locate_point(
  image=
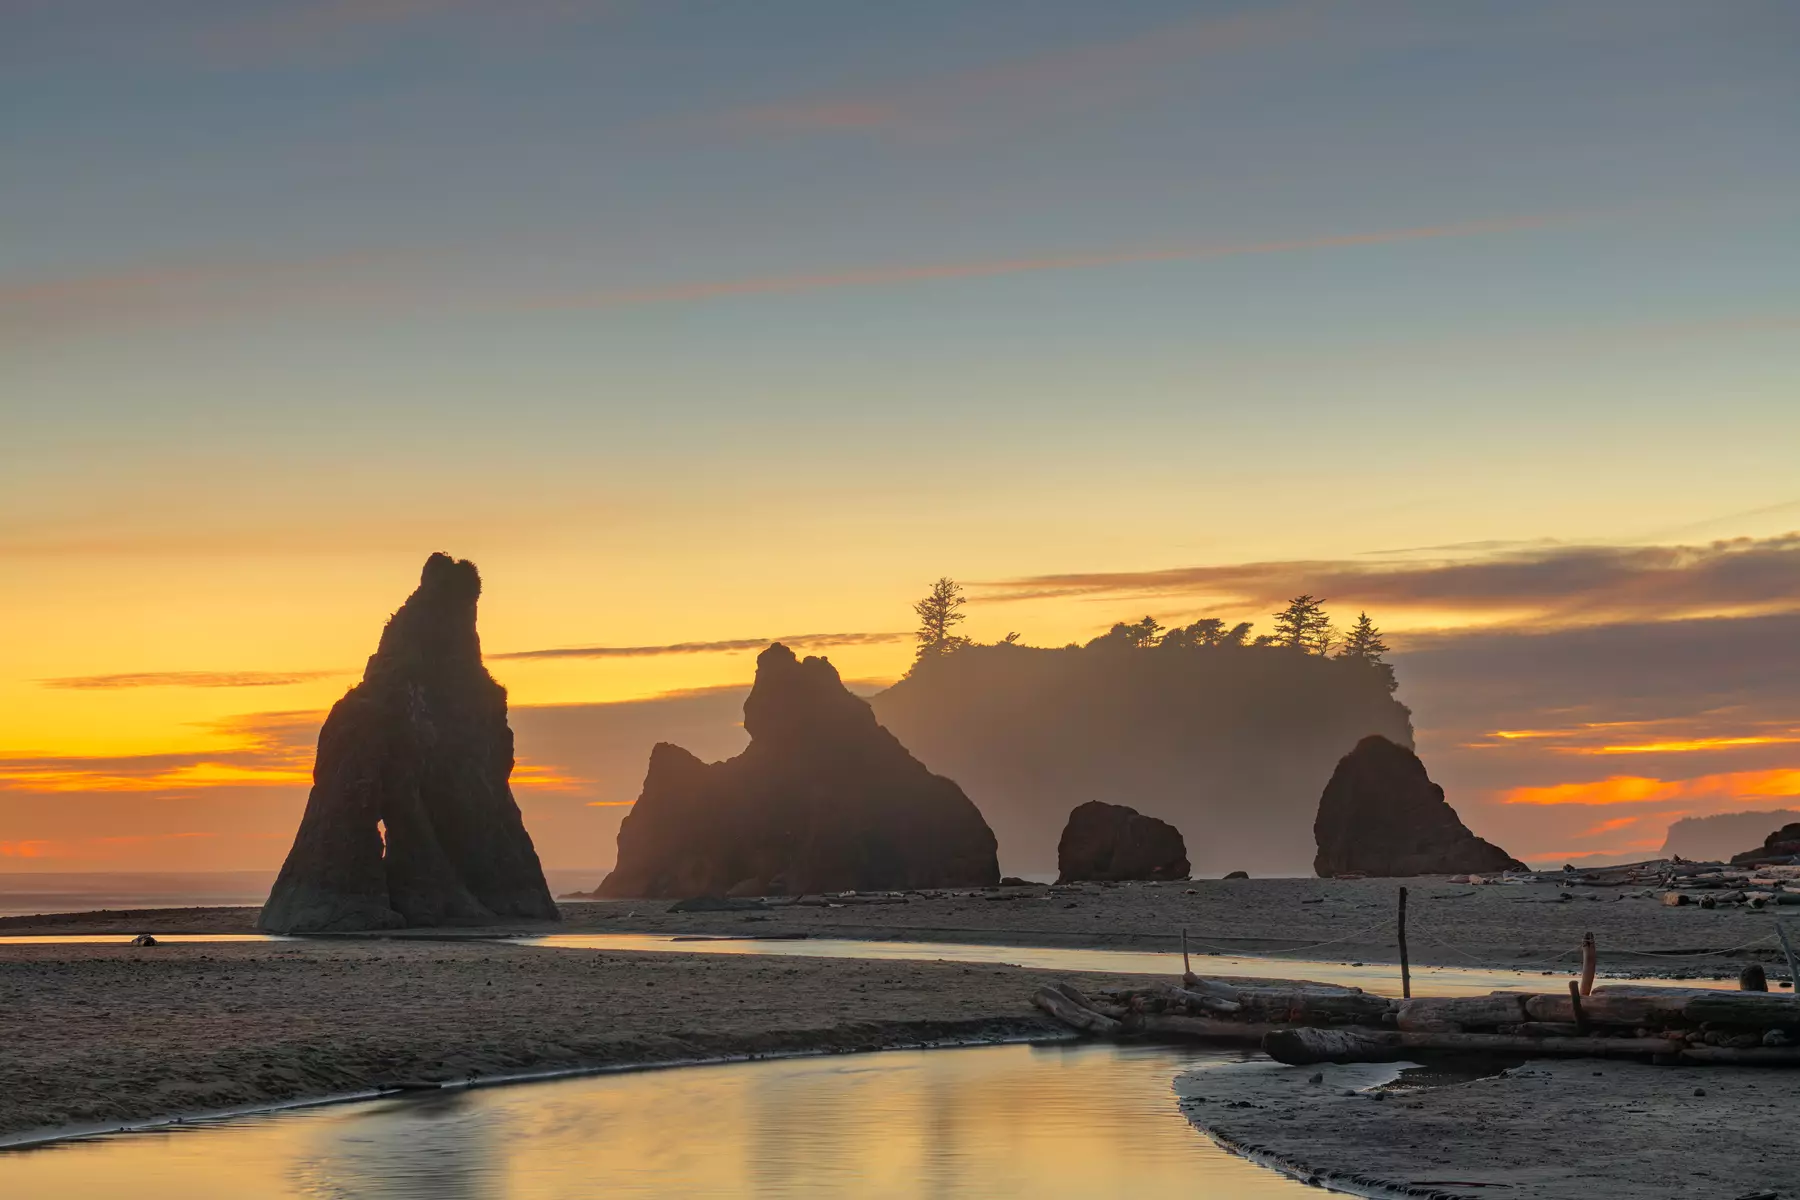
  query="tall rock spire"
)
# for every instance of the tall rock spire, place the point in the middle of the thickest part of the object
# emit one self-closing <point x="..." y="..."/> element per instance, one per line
<point x="411" y="821"/>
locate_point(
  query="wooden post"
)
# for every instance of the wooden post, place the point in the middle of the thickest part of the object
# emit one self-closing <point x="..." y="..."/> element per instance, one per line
<point x="1581" y="1021"/>
<point x="1590" y="957"/>
<point x="1405" y="967"/>
<point x="1787" y="948"/>
<point x="1187" y="969"/>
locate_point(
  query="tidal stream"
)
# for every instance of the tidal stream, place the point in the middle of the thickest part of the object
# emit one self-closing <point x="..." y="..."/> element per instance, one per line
<point x="1084" y="1120"/>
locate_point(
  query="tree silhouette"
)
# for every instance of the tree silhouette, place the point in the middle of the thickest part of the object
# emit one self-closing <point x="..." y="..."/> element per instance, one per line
<point x="1205" y="634"/>
<point x="939" y="613"/>
<point x="1363" y="645"/>
<point x="1303" y="625"/>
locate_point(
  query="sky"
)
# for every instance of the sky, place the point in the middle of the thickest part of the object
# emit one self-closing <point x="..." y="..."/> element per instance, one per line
<point x="703" y="323"/>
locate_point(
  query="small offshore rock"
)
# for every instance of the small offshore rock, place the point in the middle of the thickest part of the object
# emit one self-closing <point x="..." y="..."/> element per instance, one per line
<point x="144" y="939"/>
<point x="1238" y="875"/>
<point x="1106" y="843"/>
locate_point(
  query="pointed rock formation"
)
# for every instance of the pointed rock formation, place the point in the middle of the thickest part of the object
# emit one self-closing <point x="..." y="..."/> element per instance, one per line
<point x="1382" y="815"/>
<point x="822" y="800"/>
<point x="410" y="821"/>
<point x="1781" y="846"/>
<point x="1113" y="842"/>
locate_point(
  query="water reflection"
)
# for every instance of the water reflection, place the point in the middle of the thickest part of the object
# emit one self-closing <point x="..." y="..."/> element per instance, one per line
<point x="1382" y="978"/>
<point x="1078" y="1120"/>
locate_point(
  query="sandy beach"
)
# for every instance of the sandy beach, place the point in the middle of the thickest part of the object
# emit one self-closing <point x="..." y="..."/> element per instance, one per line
<point x="120" y="1034"/>
<point x="1534" y="925"/>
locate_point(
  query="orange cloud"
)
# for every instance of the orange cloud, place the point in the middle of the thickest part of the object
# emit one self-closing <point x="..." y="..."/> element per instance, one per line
<point x="1681" y="746"/>
<point x="542" y="777"/>
<point x="1607" y="826"/>
<point x="36" y="777"/>
<point x="1639" y="789"/>
<point x="30" y="849"/>
<point x="192" y="679"/>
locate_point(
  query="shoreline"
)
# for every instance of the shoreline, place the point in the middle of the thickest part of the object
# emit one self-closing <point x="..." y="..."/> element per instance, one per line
<point x="30" y="1139"/>
<point x="1499" y="927"/>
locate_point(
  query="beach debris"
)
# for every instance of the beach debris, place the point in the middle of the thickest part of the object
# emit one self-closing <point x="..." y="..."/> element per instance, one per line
<point x="1303" y="1023"/>
<point x="1381" y="815"/>
<point x="823" y="800"/>
<point x="411" y="821"/>
<point x="1105" y="843"/>
<point x="145" y="939"/>
<point x="1753" y="979"/>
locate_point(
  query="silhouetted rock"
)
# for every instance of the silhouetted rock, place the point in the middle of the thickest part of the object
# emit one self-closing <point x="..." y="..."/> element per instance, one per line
<point x="822" y="800"/>
<point x="410" y="821"/>
<point x="1112" y="842"/>
<point x="1382" y="815"/>
<point x="1190" y="735"/>
<point x="1237" y="875"/>
<point x="1784" y="843"/>
<point x="1717" y="837"/>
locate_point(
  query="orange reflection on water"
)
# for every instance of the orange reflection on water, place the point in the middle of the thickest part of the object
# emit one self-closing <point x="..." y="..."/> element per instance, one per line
<point x="992" y="1122"/>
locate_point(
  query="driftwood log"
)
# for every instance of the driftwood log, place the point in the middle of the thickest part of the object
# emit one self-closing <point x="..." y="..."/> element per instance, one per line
<point x="1304" y="1023"/>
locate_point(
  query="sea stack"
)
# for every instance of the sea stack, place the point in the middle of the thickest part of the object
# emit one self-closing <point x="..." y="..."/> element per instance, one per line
<point x="1779" y="847"/>
<point x="1110" y="842"/>
<point x="822" y="800"/>
<point x="1382" y="815"/>
<point x="411" y="821"/>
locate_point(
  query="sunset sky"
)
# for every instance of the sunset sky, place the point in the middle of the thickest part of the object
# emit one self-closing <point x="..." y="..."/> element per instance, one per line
<point x="709" y="323"/>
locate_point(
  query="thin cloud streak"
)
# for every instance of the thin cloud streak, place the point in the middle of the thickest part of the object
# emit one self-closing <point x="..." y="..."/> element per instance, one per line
<point x="733" y="645"/>
<point x="1548" y="587"/>
<point x="1038" y="85"/>
<point x="371" y="283"/>
<point x="187" y="679"/>
<point x="938" y="272"/>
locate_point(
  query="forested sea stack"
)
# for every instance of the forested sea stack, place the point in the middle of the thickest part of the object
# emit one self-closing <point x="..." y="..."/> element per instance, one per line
<point x="823" y="799"/>
<point x="411" y="821"/>
<point x="1382" y="815"/>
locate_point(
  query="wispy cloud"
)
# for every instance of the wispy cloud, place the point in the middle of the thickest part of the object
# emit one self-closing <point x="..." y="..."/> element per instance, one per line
<point x="367" y="284"/>
<point x="884" y="276"/>
<point x="1548" y="586"/>
<point x="811" y="641"/>
<point x="1040" y="86"/>
<point x="187" y="679"/>
<point x="307" y="31"/>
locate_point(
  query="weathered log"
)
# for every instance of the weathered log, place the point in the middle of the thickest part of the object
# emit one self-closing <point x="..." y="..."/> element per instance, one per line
<point x="1762" y="1056"/>
<point x="1211" y="987"/>
<point x="1312" y="1005"/>
<point x="1756" y="1010"/>
<point x="1305" y="1046"/>
<point x="1072" y="1014"/>
<point x="1204" y="1028"/>
<point x="1462" y="1012"/>
<point x="1606" y="1008"/>
<point x="1205" y="1002"/>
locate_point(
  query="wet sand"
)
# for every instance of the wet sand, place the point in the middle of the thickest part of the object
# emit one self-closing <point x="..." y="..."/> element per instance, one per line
<point x="1448" y="924"/>
<point x="1542" y="1131"/>
<point x="108" y="1035"/>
